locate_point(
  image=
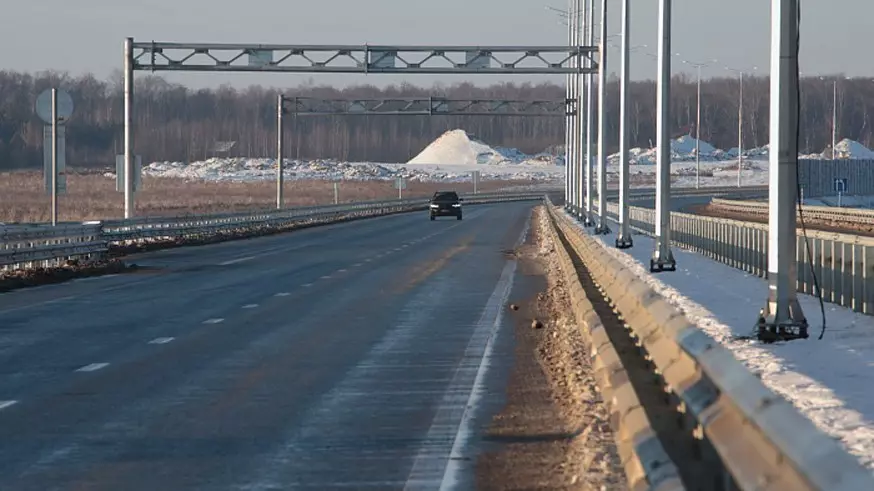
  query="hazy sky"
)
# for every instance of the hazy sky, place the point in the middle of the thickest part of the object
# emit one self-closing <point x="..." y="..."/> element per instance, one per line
<point x="87" y="35"/>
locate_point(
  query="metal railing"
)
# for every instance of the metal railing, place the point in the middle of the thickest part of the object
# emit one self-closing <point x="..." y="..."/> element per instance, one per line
<point x="760" y="441"/>
<point x="40" y="245"/>
<point x="830" y="213"/>
<point x="842" y="263"/>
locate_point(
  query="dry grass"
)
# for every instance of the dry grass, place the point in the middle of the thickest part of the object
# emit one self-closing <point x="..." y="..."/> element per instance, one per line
<point x="91" y="196"/>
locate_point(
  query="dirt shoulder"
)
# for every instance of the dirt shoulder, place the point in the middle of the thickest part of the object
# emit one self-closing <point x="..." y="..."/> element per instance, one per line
<point x="554" y="432"/>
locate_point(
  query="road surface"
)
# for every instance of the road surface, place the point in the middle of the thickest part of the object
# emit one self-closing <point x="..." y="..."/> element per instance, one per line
<point x="337" y="357"/>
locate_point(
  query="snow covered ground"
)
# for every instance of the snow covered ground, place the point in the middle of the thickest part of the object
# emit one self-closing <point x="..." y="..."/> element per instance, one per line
<point x="829" y="381"/>
<point x="455" y="154"/>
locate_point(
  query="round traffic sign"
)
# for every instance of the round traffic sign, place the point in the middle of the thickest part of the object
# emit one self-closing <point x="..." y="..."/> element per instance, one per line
<point x="44" y="106"/>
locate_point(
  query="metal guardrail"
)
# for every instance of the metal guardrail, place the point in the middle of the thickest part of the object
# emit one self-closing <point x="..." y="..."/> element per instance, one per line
<point x="39" y="245"/>
<point x="843" y="263"/>
<point x="761" y="440"/>
<point x="829" y="213"/>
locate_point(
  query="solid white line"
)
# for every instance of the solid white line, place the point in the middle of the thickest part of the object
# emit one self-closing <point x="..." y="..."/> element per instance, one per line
<point x="92" y="367"/>
<point x="251" y="306"/>
<point x="282" y="294"/>
<point x="5" y="404"/>
<point x="213" y="321"/>
<point x="239" y="260"/>
<point x="161" y="340"/>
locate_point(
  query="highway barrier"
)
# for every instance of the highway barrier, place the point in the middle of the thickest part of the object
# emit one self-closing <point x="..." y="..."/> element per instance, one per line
<point x="41" y="245"/>
<point x="758" y="439"/>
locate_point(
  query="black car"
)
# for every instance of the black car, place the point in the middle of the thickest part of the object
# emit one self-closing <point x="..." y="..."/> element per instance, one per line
<point x="445" y="203"/>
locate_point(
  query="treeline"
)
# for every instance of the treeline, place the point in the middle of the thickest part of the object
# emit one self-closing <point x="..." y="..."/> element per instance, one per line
<point x="174" y="122"/>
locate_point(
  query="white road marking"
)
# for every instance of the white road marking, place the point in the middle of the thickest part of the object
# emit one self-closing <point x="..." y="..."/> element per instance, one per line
<point x="214" y="321"/>
<point x="326" y="277"/>
<point x="342" y="270"/>
<point x="238" y="260"/>
<point x="357" y="265"/>
<point x="5" y="404"/>
<point x="430" y="458"/>
<point x="251" y="306"/>
<point x="368" y="260"/>
<point x="92" y="367"/>
<point x="306" y="285"/>
<point x="282" y="294"/>
<point x="161" y="340"/>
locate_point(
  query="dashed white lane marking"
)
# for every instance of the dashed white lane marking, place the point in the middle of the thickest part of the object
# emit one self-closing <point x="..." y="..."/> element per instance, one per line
<point x="326" y="277"/>
<point x="238" y="260"/>
<point x="5" y="404"/>
<point x="251" y="306"/>
<point x="214" y="321"/>
<point x="342" y="270"/>
<point x="368" y="260"/>
<point x="306" y="285"/>
<point x="282" y="294"/>
<point x="357" y="265"/>
<point x="161" y="340"/>
<point x="92" y="367"/>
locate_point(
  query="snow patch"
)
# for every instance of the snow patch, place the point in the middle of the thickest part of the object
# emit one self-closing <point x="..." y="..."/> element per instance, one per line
<point x="457" y="148"/>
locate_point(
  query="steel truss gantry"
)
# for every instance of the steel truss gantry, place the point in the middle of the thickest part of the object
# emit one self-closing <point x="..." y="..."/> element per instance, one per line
<point x="353" y="59"/>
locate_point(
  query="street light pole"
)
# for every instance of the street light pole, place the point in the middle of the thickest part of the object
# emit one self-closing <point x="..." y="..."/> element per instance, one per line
<point x="698" y="134"/>
<point x="601" y="227"/>
<point x="834" y="117"/>
<point x="662" y="257"/>
<point x="590" y="118"/>
<point x="740" y="128"/>
<point x="623" y="238"/>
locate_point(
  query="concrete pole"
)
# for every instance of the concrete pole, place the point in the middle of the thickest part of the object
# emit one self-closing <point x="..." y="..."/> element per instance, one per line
<point x="663" y="258"/>
<point x="601" y="226"/>
<point x="782" y="317"/>
<point x="590" y="117"/>
<point x="280" y="130"/>
<point x="623" y="238"/>
<point x="129" y="206"/>
<point x="54" y="177"/>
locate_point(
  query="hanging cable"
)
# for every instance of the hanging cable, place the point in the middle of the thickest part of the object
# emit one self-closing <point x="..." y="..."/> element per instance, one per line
<point x="816" y="288"/>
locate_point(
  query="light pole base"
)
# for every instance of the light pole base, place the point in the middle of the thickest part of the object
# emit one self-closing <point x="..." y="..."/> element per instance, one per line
<point x="660" y="263"/>
<point x="624" y="242"/>
<point x="770" y="329"/>
<point x="587" y="221"/>
<point x="602" y="229"/>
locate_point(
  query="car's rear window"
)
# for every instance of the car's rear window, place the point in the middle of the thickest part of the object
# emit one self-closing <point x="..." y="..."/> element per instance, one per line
<point x="450" y="196"/>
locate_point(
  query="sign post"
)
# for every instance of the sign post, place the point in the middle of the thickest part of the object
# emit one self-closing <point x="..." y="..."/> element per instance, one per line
<point x="54" y="107"/>
<point x="475" y="181"/>
<point x="841" y="188"/>
<point x="336" y="193"/>
<point x="400" y="184"/>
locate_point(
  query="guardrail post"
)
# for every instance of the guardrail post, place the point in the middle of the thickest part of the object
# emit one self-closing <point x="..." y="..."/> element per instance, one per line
<point x="623" y="239"/>
<point x="782" y="317"/>
<point x="663" y="258"/>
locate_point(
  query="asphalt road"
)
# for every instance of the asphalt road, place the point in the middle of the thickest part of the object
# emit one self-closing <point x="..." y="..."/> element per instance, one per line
<point x="338" y="357"/>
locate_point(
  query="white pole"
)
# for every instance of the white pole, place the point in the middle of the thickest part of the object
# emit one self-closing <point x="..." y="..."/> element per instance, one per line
<point x="280" y="129"/>
<point x="129" y="206"/>
<point x="623" y="239"/>
<point x="590" y="116"/>
<point x="834" y="117"/>
<point x="54" y="157"/>
<point x="336" y="193"/>
<point x="568" y="136"/>
<point x="662" y="257"/>
<point x="740" y="133"/>
<point x="579" y="190"/>
<point x="698" y="134"/>
<point x="601" y="226"/>
<point x="782" y="316"/>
